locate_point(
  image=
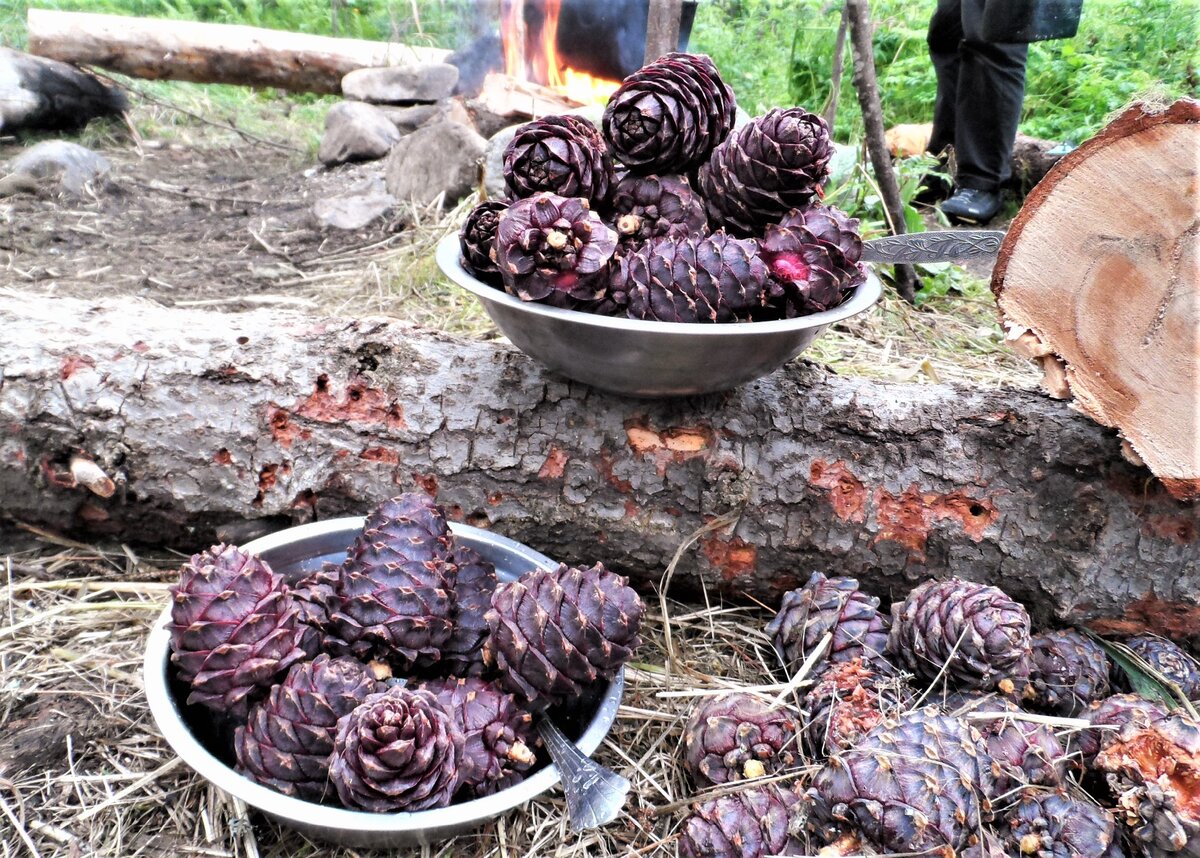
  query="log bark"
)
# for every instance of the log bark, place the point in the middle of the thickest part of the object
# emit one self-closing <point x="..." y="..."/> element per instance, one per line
<point x="211" y="53"/>
<point x="1099" y="279"/>
<point x="867" y="87"/>
<point x="233" y="425"/>
<point x="662" y="28"/>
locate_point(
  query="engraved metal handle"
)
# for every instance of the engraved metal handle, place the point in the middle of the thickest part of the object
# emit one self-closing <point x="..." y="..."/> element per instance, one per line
<point x="595" y="795"/>
<point x="945" y="246"/>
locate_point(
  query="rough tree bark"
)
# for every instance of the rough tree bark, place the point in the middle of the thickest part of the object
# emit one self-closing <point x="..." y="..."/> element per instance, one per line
<point x="662" y="28"/>
<point x="1110" y="306"/>
<point x="867" y="87"/>
<point x="238" y="424"/>
<point x="211" y="53"/>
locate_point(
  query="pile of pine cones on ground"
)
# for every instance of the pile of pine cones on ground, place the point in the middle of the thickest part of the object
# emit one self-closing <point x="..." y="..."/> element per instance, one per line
<point x="670" y="214"/>
<point x="940" y="731"/>
<point x="305" y="676"/>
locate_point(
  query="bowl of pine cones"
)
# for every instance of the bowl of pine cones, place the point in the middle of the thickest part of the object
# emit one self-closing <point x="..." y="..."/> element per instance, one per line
<point x="668" y="252"/>
<point x="377" y="682"/>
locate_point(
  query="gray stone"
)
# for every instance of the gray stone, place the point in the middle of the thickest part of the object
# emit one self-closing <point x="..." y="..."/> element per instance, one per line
<point x="409" y="119"/>
<point x="352" y="211"/>
<point x="355" y="131"/>
<point x="493" y="162"/>
<point x="70" y="165"/>
<point x="443" y="157"/>
<point x="401" y="84"/>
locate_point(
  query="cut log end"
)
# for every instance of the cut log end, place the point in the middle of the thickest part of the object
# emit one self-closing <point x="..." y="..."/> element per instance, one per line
<point x="1101" y="274"/>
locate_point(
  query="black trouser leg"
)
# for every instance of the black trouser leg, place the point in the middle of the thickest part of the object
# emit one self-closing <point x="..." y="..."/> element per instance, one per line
<point x="945" y="35"/>
<point x="980" y="89"/>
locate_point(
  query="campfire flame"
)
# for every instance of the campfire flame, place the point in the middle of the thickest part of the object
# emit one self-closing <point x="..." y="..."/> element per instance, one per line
<point x="534" y="56"/>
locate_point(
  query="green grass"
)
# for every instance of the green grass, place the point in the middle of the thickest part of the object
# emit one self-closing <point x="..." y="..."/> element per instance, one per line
<point x="775" y="52"/>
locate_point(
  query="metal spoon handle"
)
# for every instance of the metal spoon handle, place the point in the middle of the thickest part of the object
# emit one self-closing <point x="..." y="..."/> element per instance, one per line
<point x="595" y="795"/>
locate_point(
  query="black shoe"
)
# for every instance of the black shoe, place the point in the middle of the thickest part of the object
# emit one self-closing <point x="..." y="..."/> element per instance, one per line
<point x="972" y="205"/>
<point x="934" y="188"/>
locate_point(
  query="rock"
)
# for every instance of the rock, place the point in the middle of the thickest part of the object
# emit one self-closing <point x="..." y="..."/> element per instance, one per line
<point x="493" y="162"/>
<point x="401" y="84"/>
<point x="70" y="165"/>
<point x="441" y="157"/>
<point x="355" y="131"/>
<point x="352" y="211"/>
<point x="409" y="119"/>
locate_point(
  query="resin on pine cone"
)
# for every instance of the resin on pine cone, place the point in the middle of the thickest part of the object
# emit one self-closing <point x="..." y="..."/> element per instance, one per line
<point x="976" y="632"/>
<point x="397" y="750"/>
<point x="498" y="734"/>
<point x="750" y="823"/>
<point x="1069" y="672"/>
<point x="554" y="248"/>
<point x="916" y="784"/>
<point x="738" y="736"/>
<point x="669" y="115"/>
<point x="234" y="629"/>
<point x="477" y="239"/>
<point x="554" y="634"/>
<point x="828" y="606"/>
<point x="563" y="155"/>
<point x="646" y="207"/>
<point x="1154" y="772"/>
<point x="812" y="255"/>
<point x="1170" y="660"/>
<point x="288" y="739"/>
<point x="394" y="601"/>
<point x="1108" y="716"/>
<point x="773" y="164"/>
<point x="713" y="278"/>
<point x="1054" y="825"/>
<point x="849" y="699"/>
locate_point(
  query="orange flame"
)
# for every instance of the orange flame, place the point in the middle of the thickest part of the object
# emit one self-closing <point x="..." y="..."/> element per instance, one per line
<point x="534" y="56"/>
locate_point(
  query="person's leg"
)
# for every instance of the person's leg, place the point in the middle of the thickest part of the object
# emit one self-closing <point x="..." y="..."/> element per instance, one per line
<point x="945" y="36"/>
<point x="991" y="88"/>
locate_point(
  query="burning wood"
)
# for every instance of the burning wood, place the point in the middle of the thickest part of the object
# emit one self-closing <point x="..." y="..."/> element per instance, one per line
<point x="508" y="96"/>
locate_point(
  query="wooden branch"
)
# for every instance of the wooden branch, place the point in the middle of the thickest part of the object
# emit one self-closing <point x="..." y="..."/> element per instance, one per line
<point x="1100" y="271"/>
<point x="158" y="49"/>
<point x="234" y="424"/>
<point x="867" y="87"/>
<point x="835" y="74"/>
<point x="662" y="28"/>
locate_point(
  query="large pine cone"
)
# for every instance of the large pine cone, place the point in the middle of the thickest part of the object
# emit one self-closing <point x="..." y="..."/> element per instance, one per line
<point x="394" y="600"/>
<point x="773" y="164"/>
<point x="563" y="155"/>
<point x="812" y="256"/>
<point x="315" y="596"/>
<point x="553" y="634"/>
<point x="233" y="627"/>
<point x="918" y="784"/>
<point x="751" y="823"/>
<point x="551" y="248"/>
<point x="1169" y="660"/>
<point x="668" y="116"/>
<point x="736" y="736"/>
<point x="1108" y="716"/>
<point x="714" y="278"/>
<point x="287" y="741"/>
<point x="977" y="633"/>
<point x="849" y="700"/>
<point x="1154" y="771"/>
<point x="646" y="207"/>
<point x="477" y="240"/>
<point x="498" y="734"/>
<point x="398" y="750"/>
<point x="1068" y="672"/>
<point x="1054" y="825"/>
<point x="828" y="605"/>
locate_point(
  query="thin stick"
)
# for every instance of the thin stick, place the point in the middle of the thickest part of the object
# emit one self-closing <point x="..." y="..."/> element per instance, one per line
<point x="835" y="74"/>
<point x="802" y="674"/>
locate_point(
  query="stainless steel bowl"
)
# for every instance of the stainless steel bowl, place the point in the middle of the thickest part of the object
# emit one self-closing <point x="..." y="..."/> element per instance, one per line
<point x="649" y="359"/>
<point x="294" y="553"/>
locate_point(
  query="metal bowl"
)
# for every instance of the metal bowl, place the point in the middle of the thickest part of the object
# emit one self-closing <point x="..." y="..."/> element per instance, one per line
<point x="294" y="553"/>
<point x="649" y="359"/>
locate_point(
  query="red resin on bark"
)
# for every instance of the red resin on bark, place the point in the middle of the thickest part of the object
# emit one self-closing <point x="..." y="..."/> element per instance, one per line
<point x="380" y="454"/>
<point x="733" y="558"/>
<point x="1177" y="528"/>
<point x="72" y="364"/>
<point x="846" y="491"/>
<point x="908" y="518"/>
<point x="604" y="466"/>
<point x="671" y="445"/>
<point x="359" y="404"/>
<point x="1176" y="620"/>
<point x="555" y="464"/>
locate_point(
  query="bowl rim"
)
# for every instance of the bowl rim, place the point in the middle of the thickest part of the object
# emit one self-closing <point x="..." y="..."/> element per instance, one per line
<point x="309" y="815"/>
<point x="449" y="259"/>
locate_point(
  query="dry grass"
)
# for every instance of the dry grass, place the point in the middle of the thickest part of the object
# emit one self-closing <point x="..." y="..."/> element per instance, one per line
<point x="100" y="781"/>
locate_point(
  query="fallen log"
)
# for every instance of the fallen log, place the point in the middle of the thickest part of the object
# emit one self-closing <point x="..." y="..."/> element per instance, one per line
<point x="1099" y="280"/>
<point x="160" y="49"/>
<point x="233" y="425"/>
